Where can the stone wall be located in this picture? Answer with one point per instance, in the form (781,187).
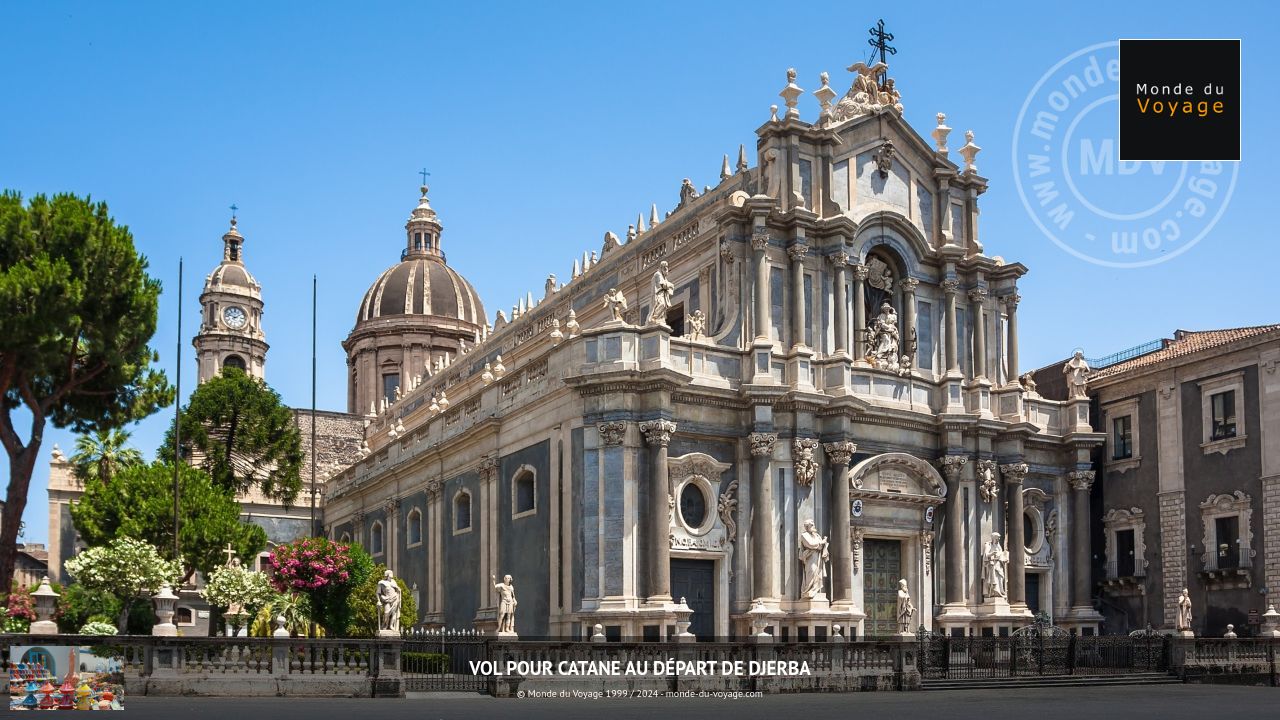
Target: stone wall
(1173,551)
(1271,532)
(338,438)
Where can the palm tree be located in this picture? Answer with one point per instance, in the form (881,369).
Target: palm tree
(102,454)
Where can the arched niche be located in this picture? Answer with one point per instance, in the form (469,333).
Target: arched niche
(898,473)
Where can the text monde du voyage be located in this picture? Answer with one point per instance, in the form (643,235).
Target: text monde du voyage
(640,668)
(1179,99)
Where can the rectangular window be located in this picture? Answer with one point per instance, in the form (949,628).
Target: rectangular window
(390,382)
(1124,553)
(924,335)
(1224,415)
(775,301)
(1122,438)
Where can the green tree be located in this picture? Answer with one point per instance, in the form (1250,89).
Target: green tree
(139,504)
(77,604)
(242,435)
(364,606)
(127,568)
(78,310)
(99,455)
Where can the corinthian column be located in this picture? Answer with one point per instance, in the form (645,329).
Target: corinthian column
(763,544)
(860,273)
(909,286)
(951,287)
(760,241)
(952,467)
(840,453)
(796,252)
(1011,310)
(976,297)
(1081,568)
(1013,475)
(657,433)
(840,261)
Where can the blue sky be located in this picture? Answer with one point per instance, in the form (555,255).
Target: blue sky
(543,126)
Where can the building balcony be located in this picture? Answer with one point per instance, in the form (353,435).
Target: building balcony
(1125,577)
(1227,567)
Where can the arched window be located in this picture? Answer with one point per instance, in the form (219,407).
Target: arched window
(461,512)
(234,361)
(345,539)
(524,492)
(414,527)
(183,616)
(375,538)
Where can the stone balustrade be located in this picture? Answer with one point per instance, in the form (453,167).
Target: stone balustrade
(244,667)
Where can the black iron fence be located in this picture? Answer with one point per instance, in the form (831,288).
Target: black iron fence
(442,660)
(973,657)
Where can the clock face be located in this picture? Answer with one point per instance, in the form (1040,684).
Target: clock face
(234,317)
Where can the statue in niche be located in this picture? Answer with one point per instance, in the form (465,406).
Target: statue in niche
(995,562)
(663,290)
(388,605)
(1077,372)
(616,302)
(506,604)
(906,609)
(882,351)
(1184,611)
(815,555)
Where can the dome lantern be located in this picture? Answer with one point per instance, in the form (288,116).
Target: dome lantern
(423,230)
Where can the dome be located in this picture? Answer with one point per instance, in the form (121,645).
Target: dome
(232,274)
(422,286)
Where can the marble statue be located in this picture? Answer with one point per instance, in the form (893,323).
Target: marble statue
(814,554)
(989,487)
(995,560)
(617,304)
(663,289)
(883,350)
(906,609)
(1184,611)
(697,323)
(1077,372)
(1028,382)
(388,605)
(866,95)
(506,604)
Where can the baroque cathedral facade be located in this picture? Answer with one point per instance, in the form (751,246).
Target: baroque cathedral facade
(768,407)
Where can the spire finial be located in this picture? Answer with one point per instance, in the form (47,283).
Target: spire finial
(234,208)
(742,158)
(725,174)
(423,172)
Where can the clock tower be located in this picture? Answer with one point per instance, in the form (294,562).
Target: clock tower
(231,315)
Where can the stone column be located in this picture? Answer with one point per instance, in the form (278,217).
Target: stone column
(953,467)
(951,287)
(1081,579)
(909,286)
(840,260)
(390,534)
(1011,310)
(976,297)
(657,433)
(860,273)
(1013,474)
(489,522)
(840,453)
(763,544)
(796,252)
(760,241)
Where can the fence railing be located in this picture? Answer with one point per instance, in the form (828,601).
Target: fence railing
(1229,559)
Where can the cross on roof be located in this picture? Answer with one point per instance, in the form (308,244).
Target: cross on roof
(879,42)
(233,210)
(423,172)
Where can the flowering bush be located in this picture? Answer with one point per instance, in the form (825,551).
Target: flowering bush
(98,628)
(20,604)
(232,586)
(11,624)
(126,568)
(325,572)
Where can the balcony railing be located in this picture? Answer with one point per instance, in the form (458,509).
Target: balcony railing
(1132,568)
(1226,558)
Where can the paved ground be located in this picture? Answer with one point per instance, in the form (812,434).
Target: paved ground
(1162,702)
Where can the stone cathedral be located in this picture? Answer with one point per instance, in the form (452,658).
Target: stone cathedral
(771,405)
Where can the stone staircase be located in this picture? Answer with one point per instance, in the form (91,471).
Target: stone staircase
(1036,681)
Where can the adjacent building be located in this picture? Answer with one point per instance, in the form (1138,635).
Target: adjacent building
(1190,475)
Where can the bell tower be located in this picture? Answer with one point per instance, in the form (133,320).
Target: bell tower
(231,315)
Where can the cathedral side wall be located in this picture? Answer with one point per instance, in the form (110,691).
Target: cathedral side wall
(525,541)
(461,551)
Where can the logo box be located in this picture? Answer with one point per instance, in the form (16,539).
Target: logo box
(1180,100)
